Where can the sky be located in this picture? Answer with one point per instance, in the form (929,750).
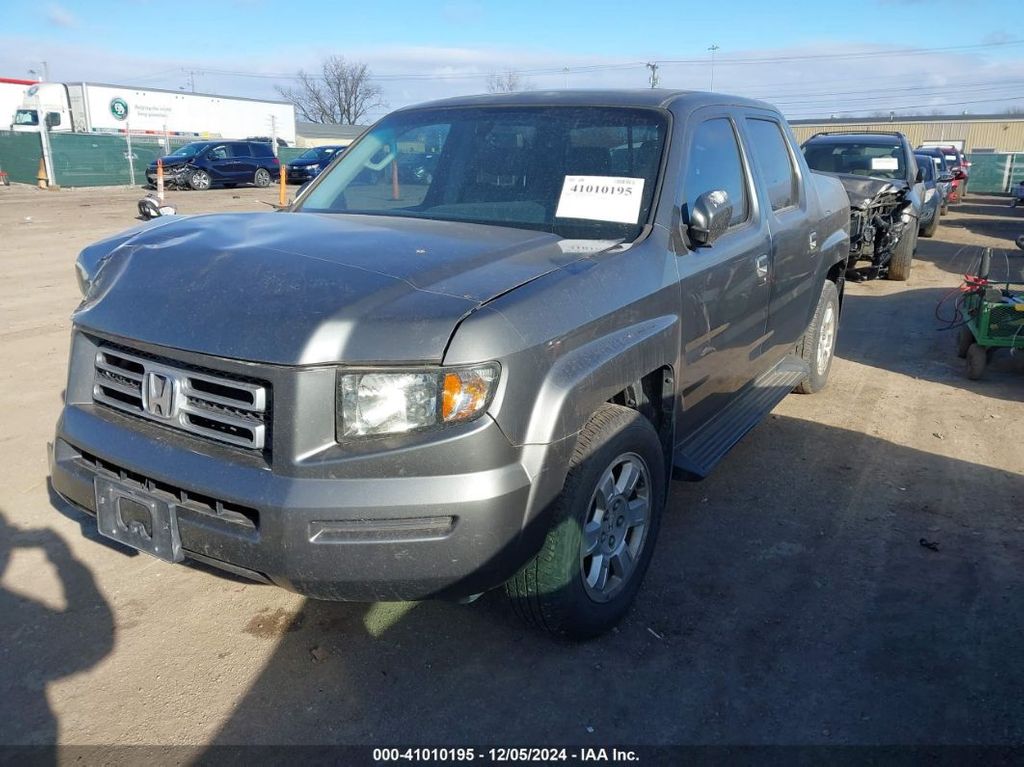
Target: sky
(812,59)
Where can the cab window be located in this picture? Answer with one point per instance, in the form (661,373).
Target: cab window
(714,164)
(773,161)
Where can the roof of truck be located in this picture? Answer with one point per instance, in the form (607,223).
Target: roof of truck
(625,97)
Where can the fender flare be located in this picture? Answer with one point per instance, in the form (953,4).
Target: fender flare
(588,376)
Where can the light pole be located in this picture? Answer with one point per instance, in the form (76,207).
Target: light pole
(714,47)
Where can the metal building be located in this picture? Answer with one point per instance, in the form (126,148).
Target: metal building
(979,133)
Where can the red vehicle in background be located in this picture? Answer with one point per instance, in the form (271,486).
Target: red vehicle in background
(957,163)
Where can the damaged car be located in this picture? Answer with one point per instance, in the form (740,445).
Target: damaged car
(205,164)
(884,184)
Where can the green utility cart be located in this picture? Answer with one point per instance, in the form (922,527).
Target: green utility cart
(993,316)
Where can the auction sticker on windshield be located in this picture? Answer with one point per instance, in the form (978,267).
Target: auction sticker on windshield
(885,163)
(601,198)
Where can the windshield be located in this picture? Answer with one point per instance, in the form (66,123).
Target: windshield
(26,117)
(189,150)
(580,172)
(857,158)
(320,153)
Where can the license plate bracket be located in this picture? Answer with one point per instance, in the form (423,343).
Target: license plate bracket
(137,519)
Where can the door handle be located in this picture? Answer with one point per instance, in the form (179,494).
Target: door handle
(761,265)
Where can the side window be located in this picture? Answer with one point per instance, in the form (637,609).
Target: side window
(714,164)
(218,153)
(260,149)
(768,146)
(240,150)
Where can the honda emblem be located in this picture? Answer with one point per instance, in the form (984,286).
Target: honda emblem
(158,395)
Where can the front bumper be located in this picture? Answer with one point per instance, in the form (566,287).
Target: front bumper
(435,515)
(386,538)
(301,174)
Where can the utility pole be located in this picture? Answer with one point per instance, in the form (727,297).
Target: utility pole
(43,74)
(713,47)
(192,80)
(565,77)
(653,66)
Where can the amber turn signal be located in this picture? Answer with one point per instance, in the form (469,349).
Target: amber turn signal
(465,393)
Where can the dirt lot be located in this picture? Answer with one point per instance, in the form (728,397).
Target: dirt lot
(791,599)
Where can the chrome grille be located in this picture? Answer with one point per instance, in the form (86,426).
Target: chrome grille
(209,405)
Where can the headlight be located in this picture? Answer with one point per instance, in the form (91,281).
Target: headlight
(391,402)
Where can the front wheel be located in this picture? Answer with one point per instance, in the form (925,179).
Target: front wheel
(932,227)
(262,178)
(200,180)
(902,258)
(604,525)
(818,345)
(977,359)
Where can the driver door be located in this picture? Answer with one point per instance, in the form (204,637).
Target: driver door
(724,286)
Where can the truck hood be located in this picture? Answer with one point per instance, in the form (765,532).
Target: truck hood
(863,189)
(306,288)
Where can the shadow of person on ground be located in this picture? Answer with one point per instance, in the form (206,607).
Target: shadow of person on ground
(791,600)
(41,644)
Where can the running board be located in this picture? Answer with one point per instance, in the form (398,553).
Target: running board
(696,456)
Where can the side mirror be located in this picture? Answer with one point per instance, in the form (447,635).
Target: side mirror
(710,217)
(52,119)
(920,176)
(945,178)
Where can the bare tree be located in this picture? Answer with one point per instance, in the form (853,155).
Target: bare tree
(1013,111)
(507,82)
(342,93)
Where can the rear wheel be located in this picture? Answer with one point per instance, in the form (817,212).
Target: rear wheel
(902,258)
(200,180)
(604,525)
(817,347)
(262,178)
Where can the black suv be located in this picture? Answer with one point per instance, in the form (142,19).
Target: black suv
(203,164)
(886,191)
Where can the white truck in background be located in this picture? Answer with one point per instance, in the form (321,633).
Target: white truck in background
(117,109)
(12,97)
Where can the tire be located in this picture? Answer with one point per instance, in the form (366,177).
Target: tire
(902,259)
(977,358)
(200,180)
(964,340)
(929,231)
(261,178)
(561,590)
(818,344)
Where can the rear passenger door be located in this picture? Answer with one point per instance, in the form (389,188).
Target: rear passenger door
(724,286)
(794,248)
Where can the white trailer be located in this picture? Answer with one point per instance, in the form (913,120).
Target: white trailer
(118,109)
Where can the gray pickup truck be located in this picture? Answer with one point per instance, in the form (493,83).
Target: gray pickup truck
(429,384)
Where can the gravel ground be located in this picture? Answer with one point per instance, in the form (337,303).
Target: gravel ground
(851,574)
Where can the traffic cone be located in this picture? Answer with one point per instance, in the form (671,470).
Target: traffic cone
(41,176)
